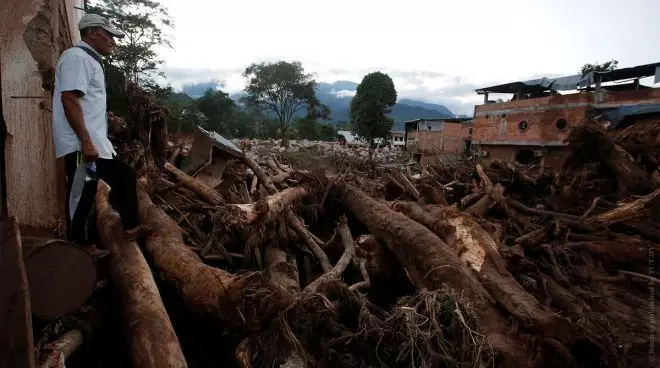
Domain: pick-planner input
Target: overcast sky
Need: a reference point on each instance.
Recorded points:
(437, 51)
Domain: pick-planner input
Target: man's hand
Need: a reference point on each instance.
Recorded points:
(89, 151)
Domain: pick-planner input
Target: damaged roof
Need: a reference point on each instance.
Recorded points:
(222, 142)
(573, 82)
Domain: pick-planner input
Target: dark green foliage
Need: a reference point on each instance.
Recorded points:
(218, 109)
(282, 88)
(604, 67)
(369, 108)
(144, 22)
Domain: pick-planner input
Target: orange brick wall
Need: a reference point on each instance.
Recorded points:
(500, 121)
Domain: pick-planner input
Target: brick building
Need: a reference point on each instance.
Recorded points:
(532, 126)
(430, 139)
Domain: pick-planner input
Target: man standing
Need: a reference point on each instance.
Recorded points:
(80, 128)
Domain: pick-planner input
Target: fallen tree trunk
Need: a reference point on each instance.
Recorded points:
(431, 263)
(16, 335)
(206, 290)
(479, 251)
(205, 192)
(291, 217)
(61, 349)
(628, 210)
(280, 177)
(273, 206)
(150, 336)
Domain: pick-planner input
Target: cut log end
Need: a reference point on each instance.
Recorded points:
(61, 276)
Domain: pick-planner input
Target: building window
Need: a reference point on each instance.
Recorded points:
(470, 131)
(503, 115)
(561, 124)
(526, 157)
(487, 116)
(522, 125)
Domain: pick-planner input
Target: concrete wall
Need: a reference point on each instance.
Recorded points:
(33, 33)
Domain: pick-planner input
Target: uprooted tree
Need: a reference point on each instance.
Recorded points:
(281, 88)
(369, 108)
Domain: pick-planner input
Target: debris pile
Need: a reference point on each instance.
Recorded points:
(321, 153)
(448, 265)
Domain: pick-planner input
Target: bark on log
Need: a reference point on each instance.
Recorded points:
(202, 190)
(280, 177)
(628, 210)
(480, 207)
(271, 207)
(16, 341)
(430, 262)
(433, 195)
(273, 166)
(344, 261)
(206, 290)
(479, 251)
(381, 263)
(150, 336)
(291, 218)
(62, 348)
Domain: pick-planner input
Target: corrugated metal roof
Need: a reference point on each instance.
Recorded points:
(573, 81)
(222, 142)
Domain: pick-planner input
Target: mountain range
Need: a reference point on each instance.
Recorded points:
(338, 95)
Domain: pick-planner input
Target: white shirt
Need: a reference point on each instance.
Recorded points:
(77, 70)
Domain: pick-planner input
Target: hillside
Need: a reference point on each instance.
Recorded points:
(338, 95)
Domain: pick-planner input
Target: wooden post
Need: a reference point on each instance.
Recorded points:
(16, 342)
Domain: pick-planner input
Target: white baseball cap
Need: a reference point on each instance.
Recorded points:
(95, 20)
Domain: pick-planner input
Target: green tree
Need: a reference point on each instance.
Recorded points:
(343, 125)
(307, 128)
(145, 23)
(281, 88)
(604, 67)
(218, 109)
(369, 108)
(184, 115)
(327, 132)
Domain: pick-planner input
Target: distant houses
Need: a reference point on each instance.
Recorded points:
(347, 138)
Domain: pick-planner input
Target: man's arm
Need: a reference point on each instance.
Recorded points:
(74, 115)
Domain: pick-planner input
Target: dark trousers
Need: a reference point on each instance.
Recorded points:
(121, 179)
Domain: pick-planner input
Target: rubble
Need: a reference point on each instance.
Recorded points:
(332, 261)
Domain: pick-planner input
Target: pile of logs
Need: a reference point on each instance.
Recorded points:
(457, 265)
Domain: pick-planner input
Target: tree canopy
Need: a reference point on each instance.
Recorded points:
(145, 23)
(281, 88)
(369, 108)
(596, 67)
(218, 109)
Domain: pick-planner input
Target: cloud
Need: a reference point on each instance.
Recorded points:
(457, 93)
(227, 79)
(343, 93)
